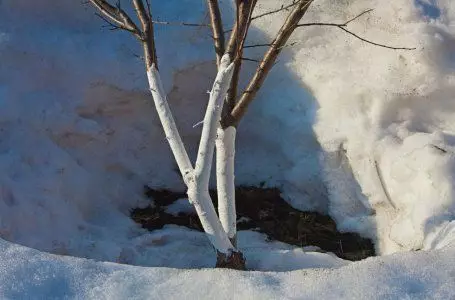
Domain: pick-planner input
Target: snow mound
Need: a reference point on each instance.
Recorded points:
(28, 274)
(361, 132)
(385, 117)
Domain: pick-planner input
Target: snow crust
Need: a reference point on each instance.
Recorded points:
(363, 133)
(28, 274)
(182, 206)
(390, 114)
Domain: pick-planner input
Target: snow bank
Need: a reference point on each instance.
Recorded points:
(29, 274)
(79, 135)
(77, 141)
(362, 132)
(385, 118)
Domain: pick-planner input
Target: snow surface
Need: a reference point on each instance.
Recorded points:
(28, 274)
(363, 133)
(181, 206)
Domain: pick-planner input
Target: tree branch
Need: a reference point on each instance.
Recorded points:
(217, 29)
(181, 24)
(358, 16)
(257, 45)
(145, 17)
(373, 43)
(250, 59)
(343, 26)
(142, 14)
(274, 11)
(117, 16)
(244, 14)
(299, 10)
(111, 25)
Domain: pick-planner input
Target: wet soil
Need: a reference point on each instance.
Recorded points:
(264, 210)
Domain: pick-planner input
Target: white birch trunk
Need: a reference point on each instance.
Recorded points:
(212, 119)
(202, 201)
(168, 123)
(197, 179)
(225, 156)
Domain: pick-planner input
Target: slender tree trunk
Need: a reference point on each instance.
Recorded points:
(168, 123)
(199, 192)
(225, 158)
(197, 179)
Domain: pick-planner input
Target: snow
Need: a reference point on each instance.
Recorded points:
(361, 132)
(181, 206)
(391, 117)
(56, 277)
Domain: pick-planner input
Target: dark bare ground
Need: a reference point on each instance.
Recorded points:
(265, 211)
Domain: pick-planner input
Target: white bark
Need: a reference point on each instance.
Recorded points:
(197, 179)
(199, 194)
(207, 215)
(225, 156)
(212, 119)
(168, 123)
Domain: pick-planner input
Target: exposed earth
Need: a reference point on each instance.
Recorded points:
(263, 210)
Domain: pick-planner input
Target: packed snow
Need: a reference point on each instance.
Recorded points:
(29, 274)
(181, 206)
(363, 133)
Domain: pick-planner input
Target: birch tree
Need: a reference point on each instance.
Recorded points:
(226, 106)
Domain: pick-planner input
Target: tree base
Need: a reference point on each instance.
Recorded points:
(234, 260)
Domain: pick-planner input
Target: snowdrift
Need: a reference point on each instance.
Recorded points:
(363, 133)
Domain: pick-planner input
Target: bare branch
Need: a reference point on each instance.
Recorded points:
(142, 14)
(217, 29)
(343, 26)
(235, 50)
(110, 24)
(257, 45)
(249, 20)
(107, 9)
(250, 59)
(373, 43)
(299, 10)
(149, 9)
(280, 41)
(358, 16)
(116, 17)
(145, 17)
(274, 11)
(181, 24)
(269, 45)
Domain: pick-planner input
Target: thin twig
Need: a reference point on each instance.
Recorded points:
(250, 59)
(358, 16)
(343, 26)
(282, 8)
(257, 45)
(110, 24)
(181, 24)
(274, 11)
(373, 43)
(270, 45)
